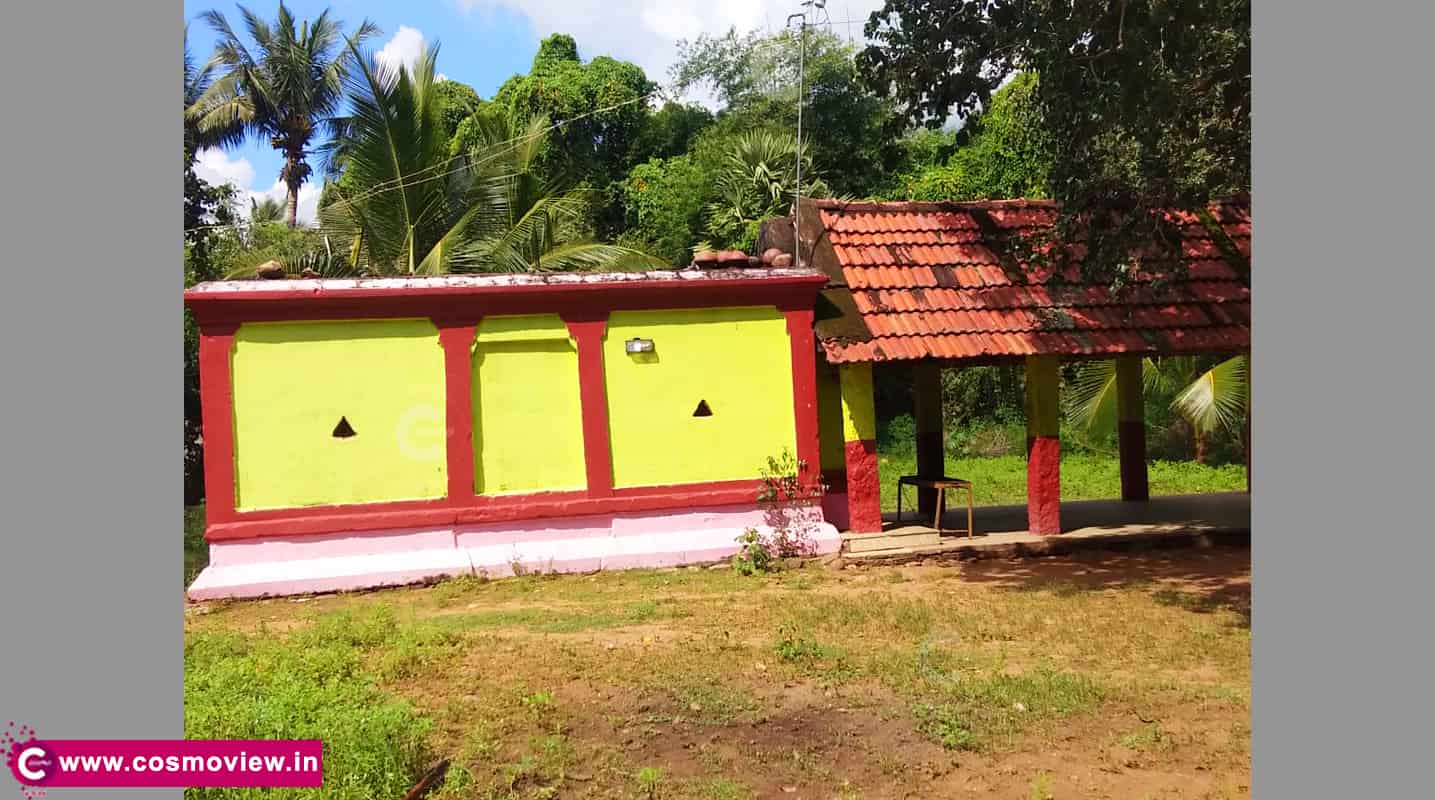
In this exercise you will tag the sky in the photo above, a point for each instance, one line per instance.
(485, 42)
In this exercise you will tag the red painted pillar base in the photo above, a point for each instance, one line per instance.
(1043, 486)
(864, 489)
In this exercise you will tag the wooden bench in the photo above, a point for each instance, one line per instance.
(941, 485)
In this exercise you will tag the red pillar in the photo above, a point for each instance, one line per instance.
(1043, 462)
(1131, 429)
(804, 392)
(456, 337)
(593, 393)
(216, 406)
(859, 444)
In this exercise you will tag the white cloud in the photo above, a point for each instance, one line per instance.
(403, 49)
(215, 167)
(308, 210)
(646, 31)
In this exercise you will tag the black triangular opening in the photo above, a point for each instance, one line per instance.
(702, 410)
(343, 430)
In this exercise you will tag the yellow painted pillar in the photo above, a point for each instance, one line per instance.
(859, 443)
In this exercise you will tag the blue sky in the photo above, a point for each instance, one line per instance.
(484, 42)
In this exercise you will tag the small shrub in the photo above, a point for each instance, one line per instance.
(649, 779)
(945, 724)
(753, 556)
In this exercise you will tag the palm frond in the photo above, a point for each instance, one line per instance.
(1217, 398)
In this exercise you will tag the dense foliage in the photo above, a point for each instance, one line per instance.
(1146, 103)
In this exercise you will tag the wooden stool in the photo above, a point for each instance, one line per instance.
(941, 485)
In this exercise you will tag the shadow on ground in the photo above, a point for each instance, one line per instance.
(1202, 580)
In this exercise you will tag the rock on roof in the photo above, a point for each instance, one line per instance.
(927, 282)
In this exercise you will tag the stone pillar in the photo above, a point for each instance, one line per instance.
(927, 408)
(859, 443)
(1043, 459)
(1131, 429)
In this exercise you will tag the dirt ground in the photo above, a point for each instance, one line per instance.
(1093, 676)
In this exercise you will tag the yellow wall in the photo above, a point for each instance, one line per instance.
(294, 380)
(737, 359)
(859, 418)
(528, 422)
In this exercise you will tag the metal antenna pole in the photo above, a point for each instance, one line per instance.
(801, 67)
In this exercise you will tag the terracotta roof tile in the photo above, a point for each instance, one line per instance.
(927, 286)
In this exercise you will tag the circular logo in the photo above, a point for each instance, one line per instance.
(422, 434)
(34, 763)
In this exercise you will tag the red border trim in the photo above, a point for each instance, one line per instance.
(482, 509)
(216, 400)
(593, 393)
(455, 310)
(457, 340)
(804, 390)
(309, 301)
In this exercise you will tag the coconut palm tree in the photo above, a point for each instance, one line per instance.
(411, 204)
(284, 89)
(265, 210)
(1206, 398)
(197, 80)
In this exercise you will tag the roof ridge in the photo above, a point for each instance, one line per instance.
(897, 206)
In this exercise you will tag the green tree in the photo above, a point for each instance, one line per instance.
(1147, 104)
(459, 101)
(665, 199)
(601, 106)
(670, 131)
(851, 132)
(1007, 153)
(413, 202)
(282, 90)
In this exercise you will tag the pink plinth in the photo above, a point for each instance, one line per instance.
(339, 562)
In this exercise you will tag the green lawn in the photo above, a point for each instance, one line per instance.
(1084, 476)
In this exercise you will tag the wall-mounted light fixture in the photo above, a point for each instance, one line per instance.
(638, 346)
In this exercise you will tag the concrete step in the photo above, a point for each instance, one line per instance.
(867, 542)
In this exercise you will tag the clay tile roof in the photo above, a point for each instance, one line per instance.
(926, 283)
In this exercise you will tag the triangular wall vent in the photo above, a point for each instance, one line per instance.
(702, 410)
(343, 430)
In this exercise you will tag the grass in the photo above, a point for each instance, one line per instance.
(704, 684)
(1001, 480)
